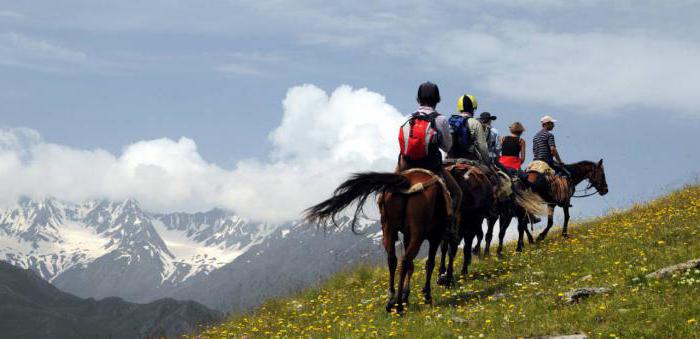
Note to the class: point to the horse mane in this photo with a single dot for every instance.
(576, 167)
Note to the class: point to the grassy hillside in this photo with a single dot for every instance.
(521, 295)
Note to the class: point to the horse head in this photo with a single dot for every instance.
(597, 178)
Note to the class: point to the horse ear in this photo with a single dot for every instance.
(600, 163)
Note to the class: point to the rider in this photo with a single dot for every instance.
(544, 147)
(476, 148)
(428, 97)
(492, 140)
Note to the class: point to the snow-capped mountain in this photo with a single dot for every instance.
(104, 248)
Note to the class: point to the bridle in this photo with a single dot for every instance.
(585, 193)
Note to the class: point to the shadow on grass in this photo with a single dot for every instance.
(462, 297)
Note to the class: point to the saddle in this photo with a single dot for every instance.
(557, 186)
(422, 186)
(502, 183)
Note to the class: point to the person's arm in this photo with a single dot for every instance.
(443, 126)
(480, 143)
(498, 143)
(553, 149)
(522, 151)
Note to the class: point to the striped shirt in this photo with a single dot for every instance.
(541, 146)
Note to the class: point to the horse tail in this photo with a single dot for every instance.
(356, 189)
(531, 202)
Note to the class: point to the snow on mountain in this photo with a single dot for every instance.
(103, 248)
(51, 237)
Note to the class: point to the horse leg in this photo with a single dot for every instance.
(489, 235)
(390, 247)
(449, 251)
(443, 253)
(429, 266)
(550, 222)
(521, 232)
(502, 228)
(469, 237)
(479, 236)
(406, 267)
(564, 232)
(449, 278)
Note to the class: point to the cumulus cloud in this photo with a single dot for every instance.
(320, 140)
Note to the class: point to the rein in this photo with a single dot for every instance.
(585, 194)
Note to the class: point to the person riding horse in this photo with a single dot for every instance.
(428, 97)
(469, 134)
(545, 149)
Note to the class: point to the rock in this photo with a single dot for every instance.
(690, 264)
(586, 278)
(499, 296)
(574, 296)
(459, 320)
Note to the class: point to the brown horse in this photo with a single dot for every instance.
(477, 199)
(477, 203)
(413, 203)
(507, 210)
(560, 195)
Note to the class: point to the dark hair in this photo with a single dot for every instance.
(428, 94)
(517, 128)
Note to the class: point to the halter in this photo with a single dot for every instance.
(585, 191)
(584, 195)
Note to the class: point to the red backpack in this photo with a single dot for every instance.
(418, 136)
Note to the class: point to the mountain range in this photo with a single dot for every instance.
(30, 307)
(102, 248)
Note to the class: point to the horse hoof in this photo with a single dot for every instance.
(475, 251)
(428, 299)
(565, 236)
(445, 280)
(390, 306)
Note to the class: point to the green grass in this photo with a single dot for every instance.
(520, 295)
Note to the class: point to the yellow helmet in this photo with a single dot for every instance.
(467, 103)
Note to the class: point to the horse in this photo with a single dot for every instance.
(554, 196)
(507, 210)
(478, 202)
(413, 202)
(477, 199)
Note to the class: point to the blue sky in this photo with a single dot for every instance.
(622, 79)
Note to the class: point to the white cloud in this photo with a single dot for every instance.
(593, 71)
(22, 50)
(321, 139)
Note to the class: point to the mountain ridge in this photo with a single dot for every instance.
(102, 248)
(32, 308)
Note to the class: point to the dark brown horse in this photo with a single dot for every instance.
(560, 195)
(507, 210)
(477, 203)
(413, 203)
(477, 199)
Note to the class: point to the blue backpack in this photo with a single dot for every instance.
(461, 138)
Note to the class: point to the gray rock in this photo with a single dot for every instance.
(459, 320)
(666, 271)
(574, 296)
(586, 278)
(499, 296)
